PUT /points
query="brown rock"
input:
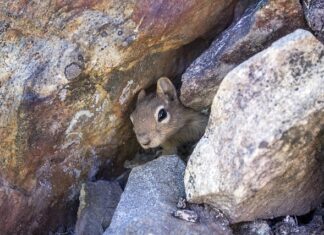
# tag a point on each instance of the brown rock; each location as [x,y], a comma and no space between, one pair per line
[260,25]
[68,73]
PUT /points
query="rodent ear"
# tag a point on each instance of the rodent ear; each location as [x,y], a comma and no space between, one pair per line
[141,96]
[165,89]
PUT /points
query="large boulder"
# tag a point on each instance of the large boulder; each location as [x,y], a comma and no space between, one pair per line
[68,73]
[98,201]
[262,153]
[150,198]
[261,24]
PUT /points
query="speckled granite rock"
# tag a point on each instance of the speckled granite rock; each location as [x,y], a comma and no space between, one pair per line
[262,153]
[260,25]
[68,72]
[150,198]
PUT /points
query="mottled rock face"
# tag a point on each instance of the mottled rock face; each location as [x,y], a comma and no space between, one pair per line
[314,14]
[262,153]
[260,25]
[150,198]
[98,201]
[68,73]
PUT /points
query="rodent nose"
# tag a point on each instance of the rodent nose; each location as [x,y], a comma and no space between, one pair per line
[144,139]
[147,142]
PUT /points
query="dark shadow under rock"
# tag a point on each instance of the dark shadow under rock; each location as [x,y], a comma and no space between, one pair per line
[309,224]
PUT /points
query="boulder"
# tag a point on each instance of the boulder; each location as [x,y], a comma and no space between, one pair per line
[262,153]
[314,14]
[69,71]
[261,24]
[150,198]
[98,201]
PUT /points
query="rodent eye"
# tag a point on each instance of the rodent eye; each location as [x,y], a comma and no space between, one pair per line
[162,115]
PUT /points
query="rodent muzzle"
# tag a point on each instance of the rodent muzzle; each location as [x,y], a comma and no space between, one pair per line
[144,140]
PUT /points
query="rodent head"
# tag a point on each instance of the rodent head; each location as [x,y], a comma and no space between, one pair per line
[158,116]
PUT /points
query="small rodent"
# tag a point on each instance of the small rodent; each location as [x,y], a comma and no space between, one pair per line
[162,120]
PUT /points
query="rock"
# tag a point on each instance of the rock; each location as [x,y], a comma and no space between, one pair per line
[69,71]
[182,203]
[311,223]
[186,215]
[98,201]
[150,198]
[254,228]
[314,14]
[262,153]
[261,24]
[289,225]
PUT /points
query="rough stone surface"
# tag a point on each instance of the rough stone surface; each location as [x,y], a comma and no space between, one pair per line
[262,153]
[69,71]
[254,228]
[260,25]
[150,198]
[290,225]
[310,224]
[98,201]
[314,14]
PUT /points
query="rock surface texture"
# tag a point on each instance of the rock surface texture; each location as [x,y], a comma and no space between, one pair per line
[68,72]
[314,14]
[291,225]
[262,153]
[98,201]
[260,25]
[151,196]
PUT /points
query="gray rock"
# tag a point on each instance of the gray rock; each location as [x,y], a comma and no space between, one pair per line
[98,201]
[314,14]
[289,225]
[262,153]
[151,197]
[260,25]
[72,71]
[260,227]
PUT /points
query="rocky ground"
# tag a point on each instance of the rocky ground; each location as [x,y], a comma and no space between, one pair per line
[154,198]
[70,72]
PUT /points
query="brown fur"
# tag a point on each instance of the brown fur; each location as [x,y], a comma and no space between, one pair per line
[184,125]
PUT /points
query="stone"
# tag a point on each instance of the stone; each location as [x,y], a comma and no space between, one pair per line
[150,198]
[186,215]
[262,153]
[314,14]
[261,24]
[69,72]
[98,201]
[311,223]
[289,225]
[260,227]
